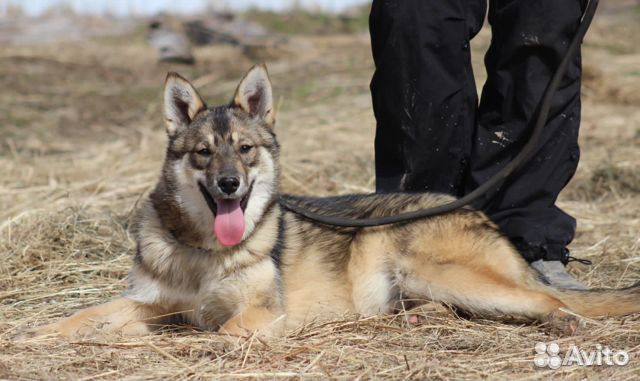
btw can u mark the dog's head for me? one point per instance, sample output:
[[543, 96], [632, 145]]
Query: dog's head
[[223, 160]]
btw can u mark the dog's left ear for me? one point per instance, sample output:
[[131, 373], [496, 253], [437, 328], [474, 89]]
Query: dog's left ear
[[254, 95]]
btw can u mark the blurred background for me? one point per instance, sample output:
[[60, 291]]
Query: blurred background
[[142, 7], [82, 140]]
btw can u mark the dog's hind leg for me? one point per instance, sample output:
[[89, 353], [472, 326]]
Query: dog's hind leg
[[122, 315], [464, 261], [481, 290]]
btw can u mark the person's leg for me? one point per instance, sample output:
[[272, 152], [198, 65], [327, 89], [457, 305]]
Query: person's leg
[[423, 92], [529, 39]]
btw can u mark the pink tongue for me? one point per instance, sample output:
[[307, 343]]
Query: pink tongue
[[229, 222]]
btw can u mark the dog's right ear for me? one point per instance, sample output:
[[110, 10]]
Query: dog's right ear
[[181, 103]]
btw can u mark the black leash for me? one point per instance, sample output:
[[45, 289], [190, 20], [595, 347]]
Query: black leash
[[523, 157]]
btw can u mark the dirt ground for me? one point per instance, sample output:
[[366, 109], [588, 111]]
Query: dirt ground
[[81, 140]]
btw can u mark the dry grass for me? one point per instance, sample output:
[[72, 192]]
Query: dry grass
[[81, 140]]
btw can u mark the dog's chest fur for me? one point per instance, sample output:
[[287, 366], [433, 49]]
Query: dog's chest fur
[[207, 286]]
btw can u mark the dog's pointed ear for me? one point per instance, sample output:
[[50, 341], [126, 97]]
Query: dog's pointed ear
[[254, 95], [181, 103]]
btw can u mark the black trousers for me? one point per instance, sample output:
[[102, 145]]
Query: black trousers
[[432, 135]]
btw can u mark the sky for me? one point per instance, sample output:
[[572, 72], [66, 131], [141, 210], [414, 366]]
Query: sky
[[150, 7]]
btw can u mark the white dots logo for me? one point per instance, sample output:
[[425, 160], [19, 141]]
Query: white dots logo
[[547, 355]]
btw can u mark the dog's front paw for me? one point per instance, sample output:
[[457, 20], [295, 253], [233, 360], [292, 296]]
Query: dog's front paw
[[49, 330], [67, 328], [232, 328]]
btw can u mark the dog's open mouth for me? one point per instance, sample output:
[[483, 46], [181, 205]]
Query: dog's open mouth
[[228, 216]]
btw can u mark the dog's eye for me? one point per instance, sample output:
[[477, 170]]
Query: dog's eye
[[245, 148], [204, 152]]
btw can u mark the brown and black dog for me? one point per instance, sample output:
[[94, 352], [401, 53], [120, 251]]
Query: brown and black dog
[[215, 246]]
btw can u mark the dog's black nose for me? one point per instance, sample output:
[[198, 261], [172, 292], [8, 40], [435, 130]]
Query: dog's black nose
[[228, 184]]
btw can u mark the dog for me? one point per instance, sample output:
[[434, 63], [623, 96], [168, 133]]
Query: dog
[[216, 248]]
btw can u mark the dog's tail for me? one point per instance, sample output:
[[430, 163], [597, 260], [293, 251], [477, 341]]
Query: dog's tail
[[601, 302]]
